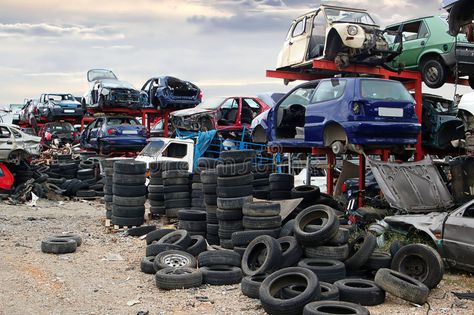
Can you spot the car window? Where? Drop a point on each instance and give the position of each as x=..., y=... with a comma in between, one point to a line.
x=384, y=90
x=299, y=28
x=5, y=133
x=299, y=96
x=329, y=90
x=469, y=212
x=122, y=121
x=345, y=15
x=16, y=134
x=251, y=103
x=1, y=173
x=410, y=31
x=230, y=103
x=423, y=32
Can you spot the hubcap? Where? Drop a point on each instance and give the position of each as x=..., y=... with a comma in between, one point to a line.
x=176, y=261
x=432, y=74
x=415, y=267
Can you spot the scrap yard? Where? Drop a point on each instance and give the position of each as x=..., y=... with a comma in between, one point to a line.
x=348, y=189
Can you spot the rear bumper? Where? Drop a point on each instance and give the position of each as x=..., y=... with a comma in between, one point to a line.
x=382, y=133
x=123, y=143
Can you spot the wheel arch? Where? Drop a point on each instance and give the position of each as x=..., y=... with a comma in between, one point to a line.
x=429, y=55
x=333, y=44
x=259, y=134
x=334, y=131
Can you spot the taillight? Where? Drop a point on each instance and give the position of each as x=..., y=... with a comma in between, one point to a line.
x=200, y=94
x=356, y=108
x=344, y=188
x=112, y=131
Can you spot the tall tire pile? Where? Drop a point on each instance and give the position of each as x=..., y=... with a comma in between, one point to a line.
x=176, y=187
x=209, y=184
x=261, y=182
x=156, y=195
x=280, y=186
x=193, y=221
x=87, y=173
x=197, y=196
x=234, y=187
x=96, y=182
x=108, y=168
x=129, y=193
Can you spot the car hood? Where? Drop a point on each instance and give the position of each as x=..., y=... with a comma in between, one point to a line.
x=191, y=112
x=116, y=84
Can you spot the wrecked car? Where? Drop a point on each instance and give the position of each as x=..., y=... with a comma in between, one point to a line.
x=449, y=232
x=466, y=113
x=335, y=33
x=59, y=133
x=28, y=114
x=440, y=124
x=428, y=48
x=345, y=114
x=170, y=92
x=461, y=14
x=106, y=91
x=6, y=179
x=219, y=113
x=57, y=106
x=114, y=133
x=15, y=145
x=259, y=124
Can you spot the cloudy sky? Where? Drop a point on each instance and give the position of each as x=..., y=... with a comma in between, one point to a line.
x=224, y=46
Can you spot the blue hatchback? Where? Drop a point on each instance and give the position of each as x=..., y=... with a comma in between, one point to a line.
x=113, y=133
x=345, y=114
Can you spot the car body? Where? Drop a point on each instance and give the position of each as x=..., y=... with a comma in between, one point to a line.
x=466, y=113
x=63, y=132
x=53, y=106
x=449, y=232
x=429, y=48
x=219, y=113
x=114, y=133
x=106, y=91
x=6, y=179
x=28, y=114
x=345, y=113
x=440, y=124
x=169, y=92
x=259, y=124
x=461, y=14
x=334, y=33
x=16, y=145
x=29, y=131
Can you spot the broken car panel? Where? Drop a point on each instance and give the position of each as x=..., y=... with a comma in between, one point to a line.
x=16, y=145
x=170, y=92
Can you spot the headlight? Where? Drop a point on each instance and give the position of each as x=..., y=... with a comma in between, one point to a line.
x=105, y=91
x=352, y=30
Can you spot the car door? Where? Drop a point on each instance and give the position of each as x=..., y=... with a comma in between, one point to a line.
x=415, y=36
x=458, y=243
x=298, y=41
x=95, y=132
x=6, y=143
x=228, y=113
x=250, y=110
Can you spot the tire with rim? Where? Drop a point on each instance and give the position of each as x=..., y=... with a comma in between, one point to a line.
x=175, y=259
x=263, y=255
x=361, y=291
x=334, y=307
x=434, y=72
x=178, y=278
x=402, y=286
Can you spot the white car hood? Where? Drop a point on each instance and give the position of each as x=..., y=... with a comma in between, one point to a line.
x=113, y=84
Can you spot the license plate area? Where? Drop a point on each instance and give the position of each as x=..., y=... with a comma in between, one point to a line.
x=129, y=132
x=390, y=112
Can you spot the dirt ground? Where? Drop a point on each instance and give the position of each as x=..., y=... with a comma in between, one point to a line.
x=103, y=276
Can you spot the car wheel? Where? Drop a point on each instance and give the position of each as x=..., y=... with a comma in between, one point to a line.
x=434, y=73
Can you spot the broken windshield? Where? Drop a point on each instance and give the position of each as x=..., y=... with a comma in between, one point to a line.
x=99, y=74
x=344, y=15
x=153, y=148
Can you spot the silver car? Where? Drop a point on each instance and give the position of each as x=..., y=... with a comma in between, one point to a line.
x=16, y=145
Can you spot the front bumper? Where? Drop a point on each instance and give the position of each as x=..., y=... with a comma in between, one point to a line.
x=67, y=112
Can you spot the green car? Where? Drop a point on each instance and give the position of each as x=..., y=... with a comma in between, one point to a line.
x=429, y=48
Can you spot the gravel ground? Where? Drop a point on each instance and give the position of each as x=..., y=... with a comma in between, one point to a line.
x=103, y=276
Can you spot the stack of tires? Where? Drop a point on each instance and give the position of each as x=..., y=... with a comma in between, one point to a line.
x=220, y=267
x=234, y=186
x=193, y=221
x=280, y=186
x=176, y=187
x=209, y=184
x=64, y=168
x=86, y=173
x=129, y=193
x=108, y=168
x=197, y=196
x=156, y=195
x=310, y=195
x=261, y=182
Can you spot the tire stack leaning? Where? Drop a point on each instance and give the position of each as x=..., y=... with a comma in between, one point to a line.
x=234, y=185
x=129, y=192
x=209, y=184
x=156, y=195
x=280, y=186
x=176, y=187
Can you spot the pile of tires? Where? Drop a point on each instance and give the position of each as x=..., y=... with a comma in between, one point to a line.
x=280, y=186
x=234, y=188
x=61, y=243
x=309, y=193
x=261, y=182
x=108, y=171
x=87, y=173
x=220, y=267
x=129, y=193
x=193, y=221
x=155, y=189
x=197, y=196
x=176, y=187
x=209, y=185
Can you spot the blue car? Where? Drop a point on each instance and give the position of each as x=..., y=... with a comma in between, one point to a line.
x=170, y=92
x=112, y=133
x=345, y=114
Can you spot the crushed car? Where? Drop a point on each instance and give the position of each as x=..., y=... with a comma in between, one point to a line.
x=28, y=114
x=59, y=133
x=345, y=114
x=428, y=48
x=57, y=106
x=106, y=91
x=15, y=145
x=169, y=92
x=339, y=34
x=224, y=114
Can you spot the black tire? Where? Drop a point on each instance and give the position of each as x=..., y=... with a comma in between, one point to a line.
x=279, y=195
x=309, y=193
x=181, y=278
x=58, y=246
x=233, y=169
x=237, y=156
x=175, y=188
x=192, y=215
x=266, y=246
x=209, y=189
x=226, y=215
x=142, y=230
x=329, y=292
x=129, y=191
x=192, y=226
x=420, y=262
x=250, y=285
x=209, y=177
x=433, y=72
x=395, y=246
x=177, y=195
x=175, y=174
x=234, y=191
x=180, y=238
x=177, y=204
x=129, y=167
x=155, y=248
x=157, y=203
x=334, y=307
x=288, y=228
x=225, y=243
x=76, y=237
x=158, y=189
x=261, y=223
x=261, y=209
x=243, y=238
x=207, y=162
x=258, y=182
x=175, y=181
x=291, y=251
x=128, y=212
x=157, y=235
x=129, y=179
x=327, y=270
x=146, y=265
x=123, y=221
x=402, y=286
x=157, y=210
x=315, y=214
x=261, y=193
x=85, y=193
x=212, y=228
x=211, y=218
x=360, y=250
x=221, y=274
x=175, y=259
x=129, y=201
x=156, y=181
x=281, y=186
x=196, y=186
x=210, y=199
x=360, y=291
x=174, y=165
x=329, y=252
x=85, y=173
x=156, y=197
x=230, y=225
x=219, y=257
x=246, y=179
x=341, y=237
x=198, y=245
x=378, y=260
x=172, y=212
x=271, y=287
x=233, y=203
x=283, y=178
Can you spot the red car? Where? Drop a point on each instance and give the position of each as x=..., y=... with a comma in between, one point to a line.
x=64, y=132
x=220, y=113
x=6, y=178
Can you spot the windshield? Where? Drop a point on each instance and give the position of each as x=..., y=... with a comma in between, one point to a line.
x=60, y=97
x=300, y=96
x=97, y=74
x=211, y=103
x=122, y=121
x=384, y=90
x=62, y=127
x=344, y=15
x=153, y=148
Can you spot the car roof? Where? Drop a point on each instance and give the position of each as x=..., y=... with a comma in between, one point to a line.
x=324, y=6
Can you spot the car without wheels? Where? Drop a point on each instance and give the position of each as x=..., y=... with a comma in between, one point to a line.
x=15, y=145
x=169, y=92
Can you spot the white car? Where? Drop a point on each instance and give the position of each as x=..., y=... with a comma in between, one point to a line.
x=335, y=33
x=16, y=145
x=466, y=113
